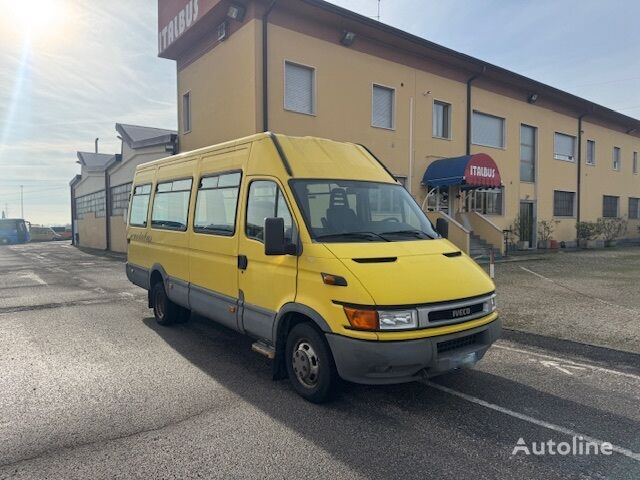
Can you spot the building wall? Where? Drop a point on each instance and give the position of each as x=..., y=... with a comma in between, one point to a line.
x=226, y=96
x=92, y=232
x=90, y=183
x=121, y=174
x=223, y=90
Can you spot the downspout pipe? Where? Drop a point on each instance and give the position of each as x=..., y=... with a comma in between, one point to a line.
x=579, y=174
x=469, y=109
x=107, y=209
x=265, y=67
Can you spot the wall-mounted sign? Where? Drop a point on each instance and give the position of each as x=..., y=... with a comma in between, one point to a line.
x=178, y=25
x=481, y=170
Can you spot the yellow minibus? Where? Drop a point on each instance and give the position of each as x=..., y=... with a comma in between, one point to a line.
x=313, y=249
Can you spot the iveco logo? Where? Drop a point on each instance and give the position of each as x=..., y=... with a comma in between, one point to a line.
x=461, y=312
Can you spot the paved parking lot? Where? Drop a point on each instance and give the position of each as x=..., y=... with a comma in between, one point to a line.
x=590, y=296
x=90, y=387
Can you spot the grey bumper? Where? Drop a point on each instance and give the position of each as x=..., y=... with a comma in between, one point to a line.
x=374, y=362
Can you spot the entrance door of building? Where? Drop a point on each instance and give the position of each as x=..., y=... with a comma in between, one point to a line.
x=527, y=223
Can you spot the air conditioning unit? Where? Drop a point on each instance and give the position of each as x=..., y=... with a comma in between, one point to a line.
x=222, y=32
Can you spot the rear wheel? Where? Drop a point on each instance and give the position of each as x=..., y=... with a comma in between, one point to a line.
x=166, y=311
x=310, y=365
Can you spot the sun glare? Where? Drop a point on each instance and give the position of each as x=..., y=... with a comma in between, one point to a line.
x=38, y=18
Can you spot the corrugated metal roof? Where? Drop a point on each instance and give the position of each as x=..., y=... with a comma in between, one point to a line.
x=96, y=162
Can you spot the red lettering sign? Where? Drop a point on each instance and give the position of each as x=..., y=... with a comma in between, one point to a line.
x=482, y=171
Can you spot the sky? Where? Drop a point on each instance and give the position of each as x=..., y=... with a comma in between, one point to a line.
x=71, y=69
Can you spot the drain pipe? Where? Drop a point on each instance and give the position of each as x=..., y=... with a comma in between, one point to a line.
x=469, y=82
x=265, y=67
x=579, y=179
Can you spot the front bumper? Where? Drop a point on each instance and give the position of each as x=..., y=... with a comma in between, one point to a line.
x=376, y=362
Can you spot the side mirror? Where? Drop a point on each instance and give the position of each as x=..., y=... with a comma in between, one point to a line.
x=442, y=227
x=274, y=241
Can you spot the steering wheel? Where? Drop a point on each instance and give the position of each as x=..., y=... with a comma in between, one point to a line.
x=390, y=219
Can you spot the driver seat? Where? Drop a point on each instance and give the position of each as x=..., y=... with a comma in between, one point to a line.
x=340, y=217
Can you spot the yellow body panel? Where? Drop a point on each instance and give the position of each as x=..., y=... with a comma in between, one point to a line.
x=421, y=273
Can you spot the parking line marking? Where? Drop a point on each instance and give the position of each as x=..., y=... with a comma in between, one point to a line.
x=541, y=423
x=600, y=300
x=570, y=362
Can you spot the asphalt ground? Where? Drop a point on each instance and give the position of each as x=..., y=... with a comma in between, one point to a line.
x=590, y=296
x=91, y=388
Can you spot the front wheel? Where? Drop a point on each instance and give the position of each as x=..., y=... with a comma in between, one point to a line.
x=310, y=365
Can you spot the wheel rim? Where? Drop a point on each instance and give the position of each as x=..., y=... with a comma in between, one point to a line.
x=306, y=364
x=159, y=304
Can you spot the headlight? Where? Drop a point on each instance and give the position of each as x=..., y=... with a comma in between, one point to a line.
x=398, y=319
x=381, y=320
x=492, y=303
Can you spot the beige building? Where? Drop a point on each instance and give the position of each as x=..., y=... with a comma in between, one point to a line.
x=307, y=67
x=100, y=194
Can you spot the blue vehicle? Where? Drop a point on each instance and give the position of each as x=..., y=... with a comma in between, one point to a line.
x=13, y=230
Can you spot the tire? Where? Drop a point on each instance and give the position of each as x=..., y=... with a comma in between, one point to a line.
x=312, y=371
x=165, y=311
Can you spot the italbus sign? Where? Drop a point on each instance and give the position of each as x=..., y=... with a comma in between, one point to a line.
x=176, y=17
x=482, y=171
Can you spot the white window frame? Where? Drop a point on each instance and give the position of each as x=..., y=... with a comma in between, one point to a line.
x=618, y=167
x=314, y=88
x=504, y=130
x=593, y=162
x=557, y=156
x=449, y=117
x=187, y=120
x=393, y=106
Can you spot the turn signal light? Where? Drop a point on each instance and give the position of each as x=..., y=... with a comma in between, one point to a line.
x=362, y=319
x=335, y=280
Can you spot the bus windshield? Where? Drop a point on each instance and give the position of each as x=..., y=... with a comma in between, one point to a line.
x=359, y=211
x=8, y=226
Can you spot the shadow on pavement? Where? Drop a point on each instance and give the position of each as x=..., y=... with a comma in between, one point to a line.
x=409, y=430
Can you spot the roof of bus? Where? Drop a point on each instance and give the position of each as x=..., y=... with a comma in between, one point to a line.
x=307, y=157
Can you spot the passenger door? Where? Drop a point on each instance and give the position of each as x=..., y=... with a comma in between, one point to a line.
x=266, y=282
x=214, y=248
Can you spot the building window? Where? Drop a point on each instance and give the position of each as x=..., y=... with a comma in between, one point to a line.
x=171, y=205
x=610, y=206
x=635, y=162
x=616, y=159
x=564, y=147
x=487, y=130
x=487, y=202
x=299, y=88
x=266, y=201
x=216, y=204
x=186, y=112
x=563, y=203
x=441, y=119
x=591, y=152
x=382, y=107
x=634, y=208
x=140, y=205
x=120, y=199
x=401, y=179
x=528, y=153
x=91, y=203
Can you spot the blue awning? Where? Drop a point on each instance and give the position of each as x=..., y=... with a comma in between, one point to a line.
x=473, y=171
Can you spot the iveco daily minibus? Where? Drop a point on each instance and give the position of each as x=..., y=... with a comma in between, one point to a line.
x=313, y=249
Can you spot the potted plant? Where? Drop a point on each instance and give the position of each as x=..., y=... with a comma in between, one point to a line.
x=587, y=234
x=516, y=228
x=612, y=229
x=545, y=232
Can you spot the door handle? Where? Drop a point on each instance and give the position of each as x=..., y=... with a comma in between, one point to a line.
x=242, y=262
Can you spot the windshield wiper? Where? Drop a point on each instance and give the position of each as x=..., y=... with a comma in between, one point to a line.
x=413, y=233
x=362, y=235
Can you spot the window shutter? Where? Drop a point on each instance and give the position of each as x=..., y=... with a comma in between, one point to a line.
x=298, y=88
x=488, y=130
x=564, y=146
x=382, y=107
